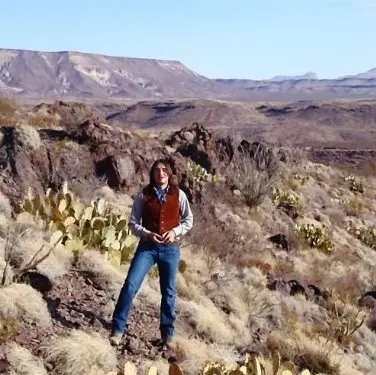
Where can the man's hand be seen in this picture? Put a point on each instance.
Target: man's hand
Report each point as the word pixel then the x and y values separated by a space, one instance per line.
pixel 169 237
pixel 155 237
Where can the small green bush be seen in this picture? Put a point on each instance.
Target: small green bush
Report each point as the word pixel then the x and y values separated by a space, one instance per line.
pixel 366 234
pixel 300 178
pixel 352 207
pixel 280 197
pixel 355 184
pixel 316 236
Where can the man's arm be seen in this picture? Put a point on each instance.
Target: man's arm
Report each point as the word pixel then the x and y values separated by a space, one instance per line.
pixel 186 221
pixel 136 218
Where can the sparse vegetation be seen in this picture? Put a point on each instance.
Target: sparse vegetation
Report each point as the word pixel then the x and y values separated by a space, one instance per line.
pixel 343 319
pixel 316 236
pixel 43 120
pixel 355 184
pixel 28 137
pixel 22 361
pixel 235 286
pixel 8 112
pixel 80 353
pixel 8 327
pixel 366 234
pixel 253 177
pixel 284 197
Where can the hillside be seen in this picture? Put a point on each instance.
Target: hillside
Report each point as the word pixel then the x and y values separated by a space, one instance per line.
pixel 74 74
pixel 344 124
pixel 87 75
pixel 280 263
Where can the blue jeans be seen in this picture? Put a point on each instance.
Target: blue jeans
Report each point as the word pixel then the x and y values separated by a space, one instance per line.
pixel 147 254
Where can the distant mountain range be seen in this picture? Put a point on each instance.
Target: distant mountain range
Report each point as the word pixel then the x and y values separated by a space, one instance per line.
pixel 84 75
pixel 308 75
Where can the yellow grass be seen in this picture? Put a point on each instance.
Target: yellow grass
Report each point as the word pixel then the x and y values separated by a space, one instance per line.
pixel 80 353
pixel 22 362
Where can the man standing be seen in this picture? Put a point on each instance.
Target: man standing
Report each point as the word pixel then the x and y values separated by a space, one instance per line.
pixel 160 215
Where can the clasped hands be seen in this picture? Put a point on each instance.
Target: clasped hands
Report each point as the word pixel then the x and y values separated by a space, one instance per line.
pixel 166 238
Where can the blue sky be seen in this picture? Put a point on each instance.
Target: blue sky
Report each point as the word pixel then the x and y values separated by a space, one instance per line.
pixel 252 39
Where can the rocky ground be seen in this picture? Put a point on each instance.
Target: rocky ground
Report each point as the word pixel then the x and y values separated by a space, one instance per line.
pixel 76 302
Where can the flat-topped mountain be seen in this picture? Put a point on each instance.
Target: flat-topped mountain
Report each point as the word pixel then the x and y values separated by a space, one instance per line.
pixel 57 74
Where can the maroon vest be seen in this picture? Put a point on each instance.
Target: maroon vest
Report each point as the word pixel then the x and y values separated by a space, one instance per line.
pixel 160 217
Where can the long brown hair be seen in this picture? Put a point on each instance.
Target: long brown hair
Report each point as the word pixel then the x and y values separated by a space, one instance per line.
pixel 171 177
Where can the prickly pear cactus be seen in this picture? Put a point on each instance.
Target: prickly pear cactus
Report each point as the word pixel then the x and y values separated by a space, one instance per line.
pixel 97 226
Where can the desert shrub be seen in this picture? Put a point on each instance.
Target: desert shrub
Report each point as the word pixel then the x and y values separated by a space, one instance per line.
pixel 304 351
pixel 280 197
pixel 23 362
pixel 22 302
pixel 352 207
pixel 253 177
pixel 8 115
pixel 8 327
pixel 214 240
pixel 316 236
pixel 5 206
pixel 12 271
pixel 80 353
pixel 97 225
pixel 28 137
pixel 42 120
pixel 355 184
pixel 366 234
pixel 302 179
pixel 73 115
pixel 343 319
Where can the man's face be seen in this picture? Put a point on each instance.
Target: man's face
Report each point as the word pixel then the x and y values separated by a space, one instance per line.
pixel 161 175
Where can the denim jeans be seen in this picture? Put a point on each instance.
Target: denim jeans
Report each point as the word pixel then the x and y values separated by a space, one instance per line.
pixel 147 254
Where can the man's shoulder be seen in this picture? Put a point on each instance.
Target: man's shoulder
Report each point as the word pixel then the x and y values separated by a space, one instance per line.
pixel 182 194
pixel 146 189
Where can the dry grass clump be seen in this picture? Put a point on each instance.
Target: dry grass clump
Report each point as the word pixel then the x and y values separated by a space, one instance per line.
pixel 186 289
pixel 365 347
pixel 297 309
pixel 104 274
pixel 28 137
pixel 22 362
pixel 43 120
pixel 8 328
pixel 122 201
pixel 8 112
pixel 80 353
pixel 251 305
pixel 56 264
pixel 6 272
pixel 5 207
pixel 209 322
pixel 22 302
pixel 304 351
pixel 192 354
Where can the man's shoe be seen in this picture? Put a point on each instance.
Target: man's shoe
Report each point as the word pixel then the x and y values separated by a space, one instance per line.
pixel 166 343
pixel 115 338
